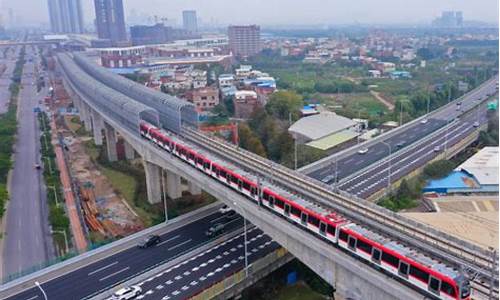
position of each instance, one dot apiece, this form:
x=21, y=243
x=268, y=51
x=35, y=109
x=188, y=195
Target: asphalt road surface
x=349, y=165
x=194, y=275
x=28, y=241
x=105, y=273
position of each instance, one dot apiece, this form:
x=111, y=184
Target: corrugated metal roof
x=333, y=140
x=321, y=125
x=483, y=166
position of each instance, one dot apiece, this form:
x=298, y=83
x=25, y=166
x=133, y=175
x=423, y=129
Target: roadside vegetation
x=308, y=285
x=57, y=215
x=8, y=129
x=409, y=192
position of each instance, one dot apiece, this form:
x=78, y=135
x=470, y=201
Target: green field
x=364, y=103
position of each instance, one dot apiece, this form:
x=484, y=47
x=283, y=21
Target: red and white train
x=421, y=272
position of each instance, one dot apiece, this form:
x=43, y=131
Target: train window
x=330, y=229
x=364, y=247
x=295, y=211
x=279, y=203
x=303, y=218
x=343, y=236
x=199, y=160
x=246, y=185
x=313, y=220
x=265, y=196
x=434, y=284
x=419, y=274
x=447, y=288
x=287, y=209
x=376, y=254
x=271, y=201
x=206, y=165
x=351, y=242
x=253, y=191
x=228, y=178
x=234, y=179
x=322, y=228
x=403, y=269
x=388, y=258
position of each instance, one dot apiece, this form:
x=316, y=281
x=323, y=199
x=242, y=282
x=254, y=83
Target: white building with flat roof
x=483, y=166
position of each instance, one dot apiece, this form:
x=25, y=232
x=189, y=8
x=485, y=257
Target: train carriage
x=434, y=278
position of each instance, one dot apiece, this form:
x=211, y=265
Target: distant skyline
x=280, y=12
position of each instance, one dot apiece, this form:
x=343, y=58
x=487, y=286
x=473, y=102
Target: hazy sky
x=282, y=12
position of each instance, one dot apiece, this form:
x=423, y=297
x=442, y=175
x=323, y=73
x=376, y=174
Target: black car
x=230, y=215
x=215, y=230
x=149, y=241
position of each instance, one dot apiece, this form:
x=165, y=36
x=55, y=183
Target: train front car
x=463, y=286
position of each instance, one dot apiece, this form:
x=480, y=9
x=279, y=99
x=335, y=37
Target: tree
x=438, y=169
x=282, y=103
x=249, y=141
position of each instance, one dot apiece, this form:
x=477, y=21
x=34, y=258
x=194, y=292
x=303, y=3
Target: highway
x=402, y=163
x=28, y=241
x=194, y=275
x=105, y=273
x=350, y=164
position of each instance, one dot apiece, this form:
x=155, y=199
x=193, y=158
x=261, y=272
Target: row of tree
x=8, y=128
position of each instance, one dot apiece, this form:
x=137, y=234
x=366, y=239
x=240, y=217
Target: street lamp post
x=52, y=187
x=390, y=166
x=65, y=238
x=40, y=287
x=244, y=239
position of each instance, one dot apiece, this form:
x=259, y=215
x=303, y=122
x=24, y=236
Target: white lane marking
x=180, y=244
x=168, y=282
x=34, y=297
x=165, y=298
x=159, y=287
x=103, y=268
x=166, y=241
x=178, y=277
x=115, y=273
x=193, y=283
x=217, y=219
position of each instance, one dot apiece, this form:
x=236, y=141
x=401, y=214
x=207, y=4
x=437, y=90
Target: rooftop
x=483, y=166
x=333, y=140
x=321, y=125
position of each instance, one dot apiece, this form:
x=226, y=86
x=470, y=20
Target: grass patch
x=298, y=291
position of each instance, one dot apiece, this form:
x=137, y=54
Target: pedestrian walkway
x=71, y=208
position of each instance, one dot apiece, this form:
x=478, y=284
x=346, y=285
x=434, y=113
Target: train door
x=403, y=269
x=271, y=201
x=434, y=285
x=303, y=218
x=322, y=228
x=287, y=209
x=240, y=184
x=376, y=255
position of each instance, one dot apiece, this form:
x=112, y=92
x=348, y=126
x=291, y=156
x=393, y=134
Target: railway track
x=477, y=261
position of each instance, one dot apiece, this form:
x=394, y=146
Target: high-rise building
x=144, y=34
x=449, y=19
x=110, y=21
x=66, y=16
x=189, y=21
x=244, y=41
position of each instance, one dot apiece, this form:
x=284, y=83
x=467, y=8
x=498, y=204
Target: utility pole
x=390, y=165
x=164, y=194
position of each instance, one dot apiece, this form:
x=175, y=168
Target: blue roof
x=123, y=70
x=455, y=180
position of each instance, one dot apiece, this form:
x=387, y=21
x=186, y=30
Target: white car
x=476, y=124
x=423, y=121
x=127, y=293
x=363, y=151
x=225, y=209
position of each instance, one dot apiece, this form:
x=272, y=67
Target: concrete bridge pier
x=153, y=184
x=129, y=150
x=97, y=126
x=193, y=188
x=174, y=188
x=85, y=114
x=110, y=142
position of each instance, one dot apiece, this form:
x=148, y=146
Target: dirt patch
x=112, y=212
